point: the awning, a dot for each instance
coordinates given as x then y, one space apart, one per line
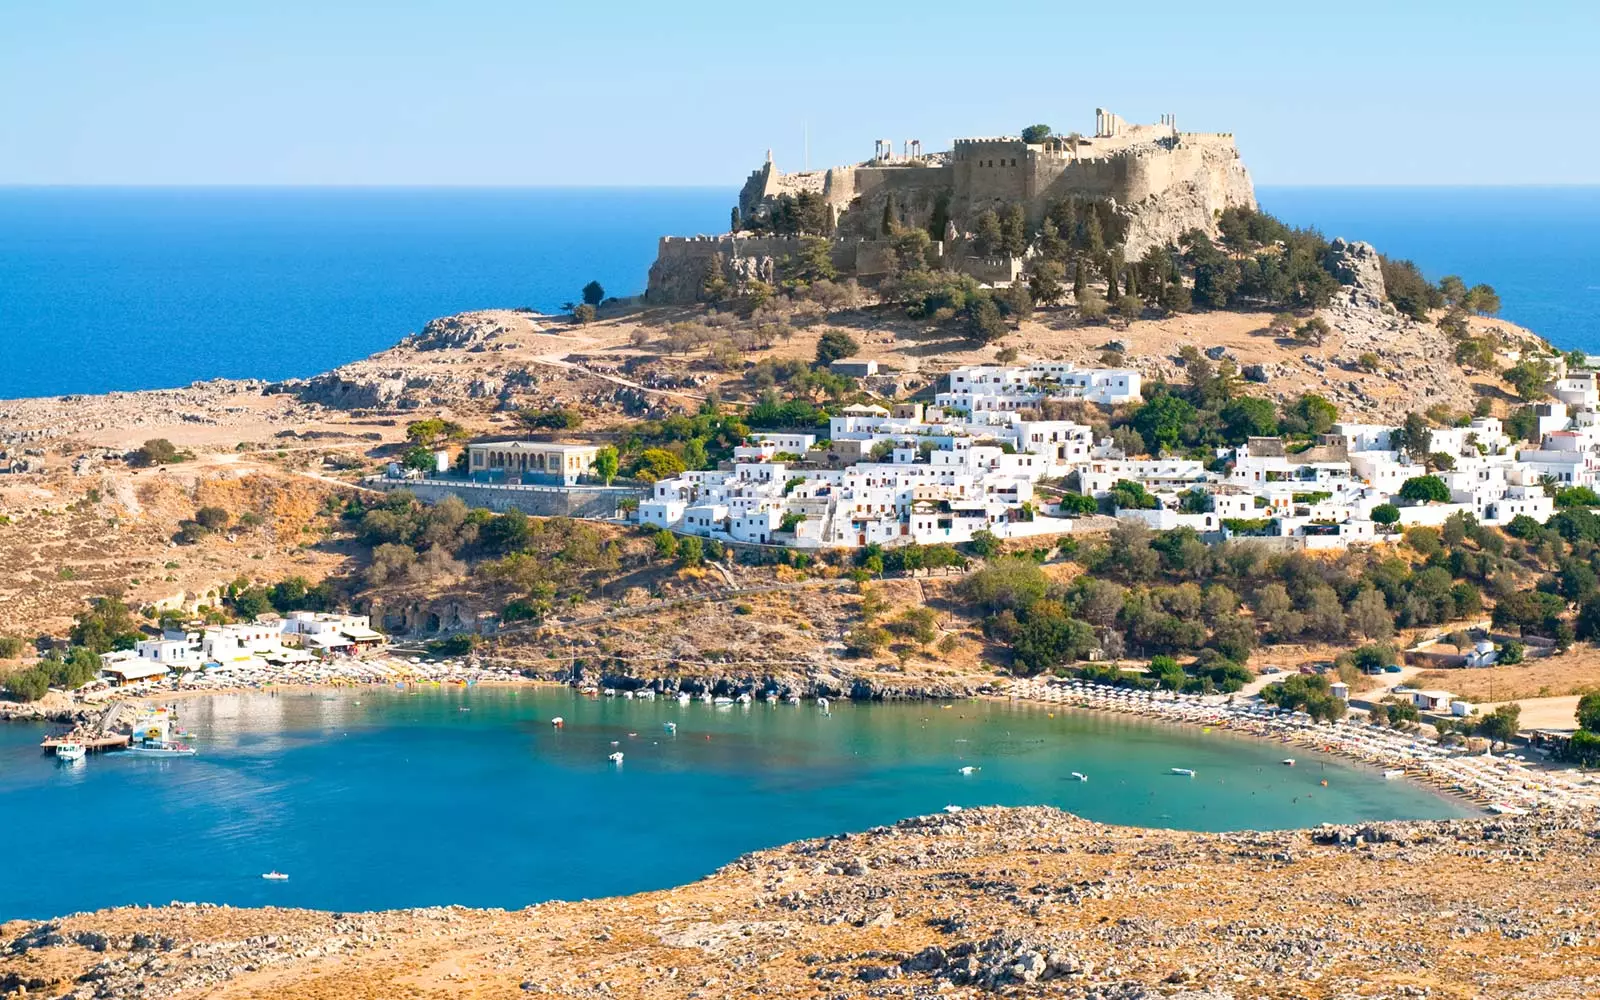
136 671
361 633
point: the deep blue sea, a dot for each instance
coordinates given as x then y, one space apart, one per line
381 798
116 288
106 289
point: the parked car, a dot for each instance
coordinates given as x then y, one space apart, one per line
1393 668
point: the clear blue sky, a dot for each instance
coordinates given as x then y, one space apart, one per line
694 92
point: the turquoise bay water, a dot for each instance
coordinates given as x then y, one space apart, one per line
384 798
182 284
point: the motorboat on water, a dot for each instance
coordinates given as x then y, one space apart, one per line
558 722
969 769
1187 772
685 697
670 727
1288 762
745 699
615 758
952 809
822 703
71 751
705 696
1394 774
772 699
275 876
794 699
723 700
160 748
1079 776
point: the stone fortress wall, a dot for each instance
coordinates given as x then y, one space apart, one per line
1160 180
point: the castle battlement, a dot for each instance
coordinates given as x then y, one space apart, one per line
1157 181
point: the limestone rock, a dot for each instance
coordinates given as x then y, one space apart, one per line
1360 269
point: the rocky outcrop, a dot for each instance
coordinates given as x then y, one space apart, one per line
1359 268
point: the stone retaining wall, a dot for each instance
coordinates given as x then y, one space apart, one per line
537 501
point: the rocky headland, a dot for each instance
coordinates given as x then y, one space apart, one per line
986 902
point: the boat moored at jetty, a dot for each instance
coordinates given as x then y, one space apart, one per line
70 751
161 748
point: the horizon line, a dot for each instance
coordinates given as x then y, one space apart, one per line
423 186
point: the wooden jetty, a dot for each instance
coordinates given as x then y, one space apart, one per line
93 744
95 737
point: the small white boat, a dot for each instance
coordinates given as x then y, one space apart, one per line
558 722
1394 774
275 876
628 695
952 809
685 697
609 692
969 769
794 699
822 703
1187 772
745 699
1079 776
670 727
772 699
70 751
615 758
705 696
1288 762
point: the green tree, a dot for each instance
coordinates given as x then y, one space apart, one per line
594 293
691 551
584 313
985 544
106 624
1483 300
835 344
1249 416
1500 725
212 518
606 464
1528 379
1034 134
156 451
1589 712
1162 421
1309 414
1047 638
1313 331
984 324
666 544
658 463
1425 489
418 458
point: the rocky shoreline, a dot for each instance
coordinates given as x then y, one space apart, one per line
1003 902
